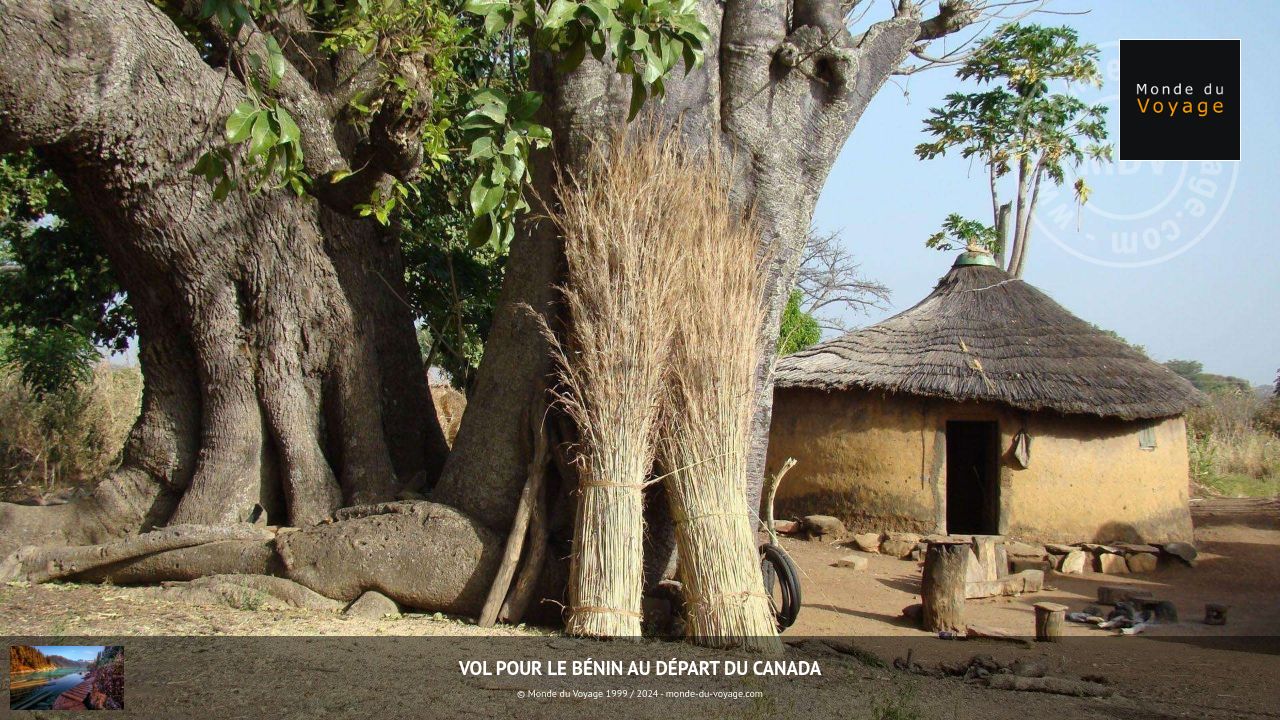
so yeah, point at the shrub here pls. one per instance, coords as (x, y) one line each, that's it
(66, 439)
(1233, 444)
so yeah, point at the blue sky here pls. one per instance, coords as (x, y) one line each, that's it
(72, 652)
(1203, 290)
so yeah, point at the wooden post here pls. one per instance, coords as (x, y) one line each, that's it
(1049, 619)
(942, 589)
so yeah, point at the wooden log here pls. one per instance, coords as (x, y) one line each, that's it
(1049, 621)
(519, 526)
(530, 573)
(943, 587)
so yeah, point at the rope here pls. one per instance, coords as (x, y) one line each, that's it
(604, 610)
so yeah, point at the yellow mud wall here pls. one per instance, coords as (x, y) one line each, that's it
(879, 463)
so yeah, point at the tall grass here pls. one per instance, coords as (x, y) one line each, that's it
(64, 440)
(719, 311)
(615, 218)
(1234, 446)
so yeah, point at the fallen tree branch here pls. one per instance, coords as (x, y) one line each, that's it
(520, 526)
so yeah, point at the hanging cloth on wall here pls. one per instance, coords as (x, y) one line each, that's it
(1022, 449)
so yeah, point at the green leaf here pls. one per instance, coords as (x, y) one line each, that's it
(289, 132)
(480, 230)
(240, 121)
(482, 148)
(526, 104)
(340, 175)
(484, 196)
(275, 62)
(560, 12)
(637, 97)
(261, 136)
(573, 57)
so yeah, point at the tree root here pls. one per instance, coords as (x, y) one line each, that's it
(420, 554)
(40, 564)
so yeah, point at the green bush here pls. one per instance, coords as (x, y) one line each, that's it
(1233, 445)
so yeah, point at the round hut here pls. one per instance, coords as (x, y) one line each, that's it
(985, 409)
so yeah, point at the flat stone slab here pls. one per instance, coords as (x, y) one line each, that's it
(853, 562)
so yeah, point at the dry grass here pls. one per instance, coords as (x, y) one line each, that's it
(66, 440)
(718, 311)
(614, 218)
(1233, 444)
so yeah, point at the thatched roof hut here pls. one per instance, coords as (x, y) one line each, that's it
(885, 416)
(984, 336)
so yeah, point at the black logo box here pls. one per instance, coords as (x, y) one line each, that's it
(1185, 65)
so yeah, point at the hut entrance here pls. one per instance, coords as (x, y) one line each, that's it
(973, 472)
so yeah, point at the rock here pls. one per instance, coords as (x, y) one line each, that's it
(1033, 580)
(821, 526)
(1095, 548)
(853, 562)
(1057, 549)
(372, 605)
(983, 589)
(913, 612)
(1164, 611)
(1128, 548)
(897, 548)
(786, 527)
(908, 537)
(1142, 562)
(1073, 563)
(1110, 564)
(1018, 564)
(1112, 594)
(1016, 548)
(1186, 552)
(867, 542)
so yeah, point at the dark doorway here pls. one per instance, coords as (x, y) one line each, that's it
(973, 478)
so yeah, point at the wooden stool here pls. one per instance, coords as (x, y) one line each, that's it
(1049, 619)
(942, 587)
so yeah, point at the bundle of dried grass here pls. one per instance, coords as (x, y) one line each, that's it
(614, 217)
(718, 314)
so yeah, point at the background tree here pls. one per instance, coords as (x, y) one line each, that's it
(798, 329)
(1019, 128)
(832, 285)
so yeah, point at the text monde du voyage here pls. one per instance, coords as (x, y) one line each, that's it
(1179, 99)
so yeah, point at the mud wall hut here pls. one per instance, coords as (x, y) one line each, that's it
(987, 408)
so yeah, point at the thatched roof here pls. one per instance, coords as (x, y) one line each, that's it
(983, 335)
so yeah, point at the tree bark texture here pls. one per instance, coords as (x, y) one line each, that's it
(280, 365)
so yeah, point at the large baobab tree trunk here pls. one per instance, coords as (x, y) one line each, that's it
(781, 89)
(281, 369)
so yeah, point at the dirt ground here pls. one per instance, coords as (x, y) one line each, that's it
(1186, 669)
